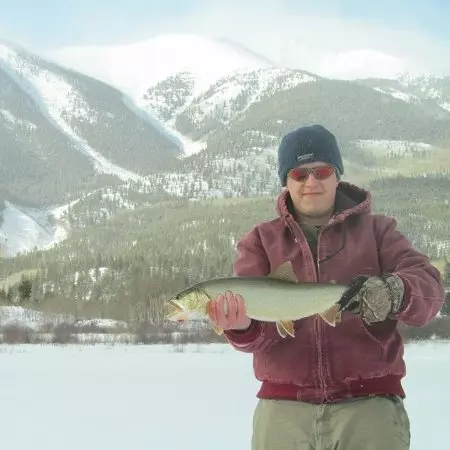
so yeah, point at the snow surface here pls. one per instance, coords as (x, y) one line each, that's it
(394, 146)
(163, 398)
(14, 121)
(24, 229)
(426, 84)
(406, 97)
(29, 318)
(38, 320)
(185, 144)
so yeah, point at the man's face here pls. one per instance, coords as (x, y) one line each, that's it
(313, 197)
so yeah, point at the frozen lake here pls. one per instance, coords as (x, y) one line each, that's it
(155, 397)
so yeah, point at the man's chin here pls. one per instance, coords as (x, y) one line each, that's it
(316, 214)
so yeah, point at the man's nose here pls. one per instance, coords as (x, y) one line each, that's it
(311, 180)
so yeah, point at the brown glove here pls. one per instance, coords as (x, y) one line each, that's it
(378, 298)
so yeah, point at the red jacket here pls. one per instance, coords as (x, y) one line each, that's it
(323, 363)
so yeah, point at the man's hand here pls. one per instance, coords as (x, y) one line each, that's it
(228, 312)
(378, 298)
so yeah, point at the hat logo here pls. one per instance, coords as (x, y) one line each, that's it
(307, 156)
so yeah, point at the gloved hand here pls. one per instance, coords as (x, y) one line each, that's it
(378, 298)
(228, 312)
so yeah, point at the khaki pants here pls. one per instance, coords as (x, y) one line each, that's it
(370, 423)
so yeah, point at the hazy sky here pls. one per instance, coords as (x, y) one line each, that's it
(412, 30)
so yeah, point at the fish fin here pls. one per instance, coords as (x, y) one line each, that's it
(332, 315)
(218, 330)
(285, 327)
(281, 330)
(285, 272)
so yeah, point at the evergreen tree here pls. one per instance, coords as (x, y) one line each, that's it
(24, 289)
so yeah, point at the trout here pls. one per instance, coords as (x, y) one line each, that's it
(276, 298)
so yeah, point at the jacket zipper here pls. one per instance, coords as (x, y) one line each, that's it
(317, 320)
(318, 328)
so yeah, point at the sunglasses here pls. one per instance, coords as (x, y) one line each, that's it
(302, 173)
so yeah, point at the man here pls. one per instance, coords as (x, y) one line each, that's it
(330, 387)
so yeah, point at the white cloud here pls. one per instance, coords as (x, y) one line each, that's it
(324, 44)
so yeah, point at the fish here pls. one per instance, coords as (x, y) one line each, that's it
(278, 298)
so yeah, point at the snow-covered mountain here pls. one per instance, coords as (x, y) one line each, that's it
(63, 128)
(218, 104)
(194, 115)
(426, 90)
(196, 85)
(135, 67)
(62, 134)
(169, 74)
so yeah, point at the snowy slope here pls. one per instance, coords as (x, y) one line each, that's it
(429, 87)
(64, 132)
(425, 89)
(223, 101)
(192, 116)
(24, 229)
(58, 101)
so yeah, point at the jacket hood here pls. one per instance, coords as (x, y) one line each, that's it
(351, 200)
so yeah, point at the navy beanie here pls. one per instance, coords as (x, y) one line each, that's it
(307, 144)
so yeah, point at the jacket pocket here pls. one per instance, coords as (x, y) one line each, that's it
(289, 360)
(380, 333)
(369, 332)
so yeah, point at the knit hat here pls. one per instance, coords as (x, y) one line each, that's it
(308, 144)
